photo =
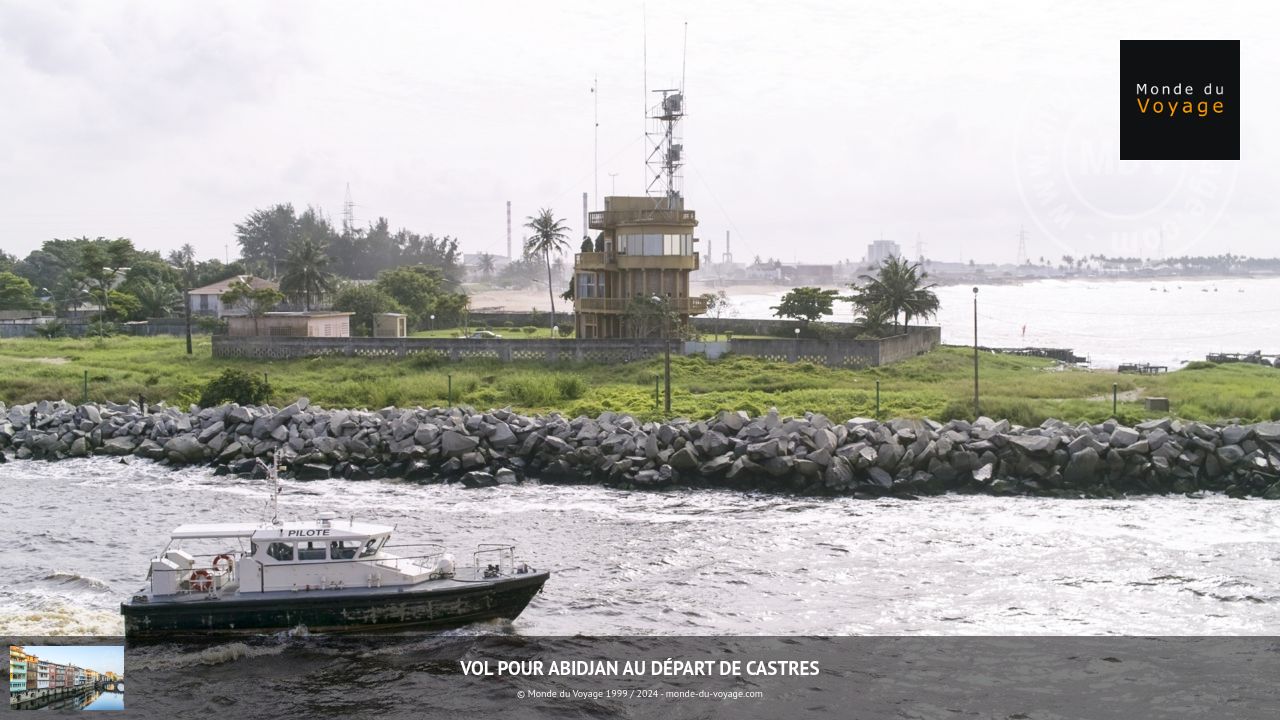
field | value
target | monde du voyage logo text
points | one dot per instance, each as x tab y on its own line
1179	99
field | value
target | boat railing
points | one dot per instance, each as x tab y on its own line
403	563
494	556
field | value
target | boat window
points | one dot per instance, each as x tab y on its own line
371	547
280	551
343	549
311	552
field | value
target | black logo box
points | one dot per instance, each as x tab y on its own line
1189	65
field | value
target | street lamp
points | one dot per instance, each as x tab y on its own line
666	353
976	413
433	323
796	350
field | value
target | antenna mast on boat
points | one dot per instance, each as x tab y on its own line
274	474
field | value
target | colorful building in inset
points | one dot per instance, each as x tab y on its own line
17	669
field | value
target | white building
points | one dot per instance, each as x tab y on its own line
207	300
880	250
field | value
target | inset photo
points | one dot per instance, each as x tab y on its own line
66	677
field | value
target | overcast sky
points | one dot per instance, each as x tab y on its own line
813	127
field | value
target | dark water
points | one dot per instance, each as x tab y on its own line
80	533
655	566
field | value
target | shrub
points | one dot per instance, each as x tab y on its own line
236	386
570	387
1200	365
101	328
211	325
529	330
50	330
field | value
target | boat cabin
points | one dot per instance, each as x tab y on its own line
325	553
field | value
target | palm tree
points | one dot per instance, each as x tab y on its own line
549	235
159	300
486	264
896	290
306	272
182	257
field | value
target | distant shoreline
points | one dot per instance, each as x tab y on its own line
497	300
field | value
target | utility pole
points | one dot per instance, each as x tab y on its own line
187	299
509	257
664	304
976	412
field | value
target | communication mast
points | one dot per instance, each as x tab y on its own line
348	213
666	148
1022	246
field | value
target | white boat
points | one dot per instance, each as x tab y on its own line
327	574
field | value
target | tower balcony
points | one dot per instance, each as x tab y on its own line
615	261
680	306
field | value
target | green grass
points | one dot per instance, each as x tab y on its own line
937	385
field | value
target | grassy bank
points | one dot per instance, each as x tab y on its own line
937	385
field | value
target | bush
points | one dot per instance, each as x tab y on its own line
101	328
528	330
211	325
1200	365
236	386
570	387
50	330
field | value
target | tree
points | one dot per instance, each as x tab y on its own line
255	302
156	300
123	306
264	236
420	291
805	304
717	306
183	256
16	293
549	236
7	261
649	315
365	301
897	289
306	273
100	265
486	264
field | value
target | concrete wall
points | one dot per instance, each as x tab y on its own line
836	353
280	348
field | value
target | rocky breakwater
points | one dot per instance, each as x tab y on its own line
809	454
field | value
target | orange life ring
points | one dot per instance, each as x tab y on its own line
220	558
201	581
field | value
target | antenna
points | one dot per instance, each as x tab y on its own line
1022	245
919	249
348	213
509	257
684	55
595	96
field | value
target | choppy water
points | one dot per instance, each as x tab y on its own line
1163	322
80	532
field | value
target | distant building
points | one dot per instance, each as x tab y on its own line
472	263
770	270
292	324
809	274
390	325
207	300
880	250
17	669
646	252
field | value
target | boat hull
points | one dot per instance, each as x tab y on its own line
433	606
